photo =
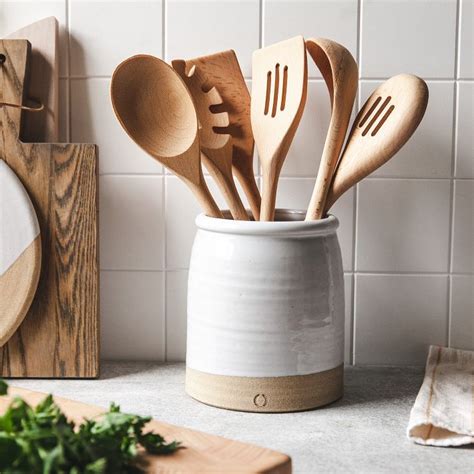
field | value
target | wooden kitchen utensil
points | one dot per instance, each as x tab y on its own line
222	71
20	252
387	120
216	148
156	110
202	452
279	77
59	336
44	80
340	73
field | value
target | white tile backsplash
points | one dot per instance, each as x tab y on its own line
416	36
466	40
463	230
196	28
413	218
403	225
131	223
397	317
336	20
104	33
132	315
465	128
462	312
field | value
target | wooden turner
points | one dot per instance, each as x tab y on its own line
216	148
387	120
222	71
279	84
340	73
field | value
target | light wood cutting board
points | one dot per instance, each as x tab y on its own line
204	453
59	336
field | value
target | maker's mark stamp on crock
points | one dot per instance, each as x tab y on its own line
260	400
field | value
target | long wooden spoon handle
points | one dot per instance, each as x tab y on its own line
227	187
249	185
205	199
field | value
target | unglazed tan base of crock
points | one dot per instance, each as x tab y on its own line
266	394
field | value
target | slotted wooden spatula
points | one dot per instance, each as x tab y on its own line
385	123
279	78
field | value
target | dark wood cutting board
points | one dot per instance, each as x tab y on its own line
203	453
59	336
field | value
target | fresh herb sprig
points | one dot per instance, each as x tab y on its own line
42	440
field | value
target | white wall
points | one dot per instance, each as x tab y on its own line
406	233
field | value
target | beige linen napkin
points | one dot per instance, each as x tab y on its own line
443	414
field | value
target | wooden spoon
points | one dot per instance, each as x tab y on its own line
387	120
216	148
340	73
156	110
279	84
222	71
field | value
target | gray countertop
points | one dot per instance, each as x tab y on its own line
363	432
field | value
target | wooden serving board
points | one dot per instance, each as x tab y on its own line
59	335
203	453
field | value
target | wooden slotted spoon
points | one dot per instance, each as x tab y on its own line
222	71
279	84
384	124
340	73
216	148
156	110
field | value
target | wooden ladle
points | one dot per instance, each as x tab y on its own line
340	73
384	124
216	147
156	110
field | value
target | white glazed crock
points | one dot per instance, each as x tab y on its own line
265	313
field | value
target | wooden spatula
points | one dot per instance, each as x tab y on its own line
222	71
279	78
154	107
340	73
387	120
216	148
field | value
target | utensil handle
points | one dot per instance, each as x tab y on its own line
249	185
270	180
205	199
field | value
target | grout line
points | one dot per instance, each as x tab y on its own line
261	23
453	170
428	79
163	208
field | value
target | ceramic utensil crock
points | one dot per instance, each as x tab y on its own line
266	313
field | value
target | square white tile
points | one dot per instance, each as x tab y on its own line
295	193
197	28
463	234
64	110
397	317
416	37
462	312
176	314
181	211
104	33
305	153
348	327
131	223
93	120
335	20
132	316
465	128
16	14
466	40
403	225
428	153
